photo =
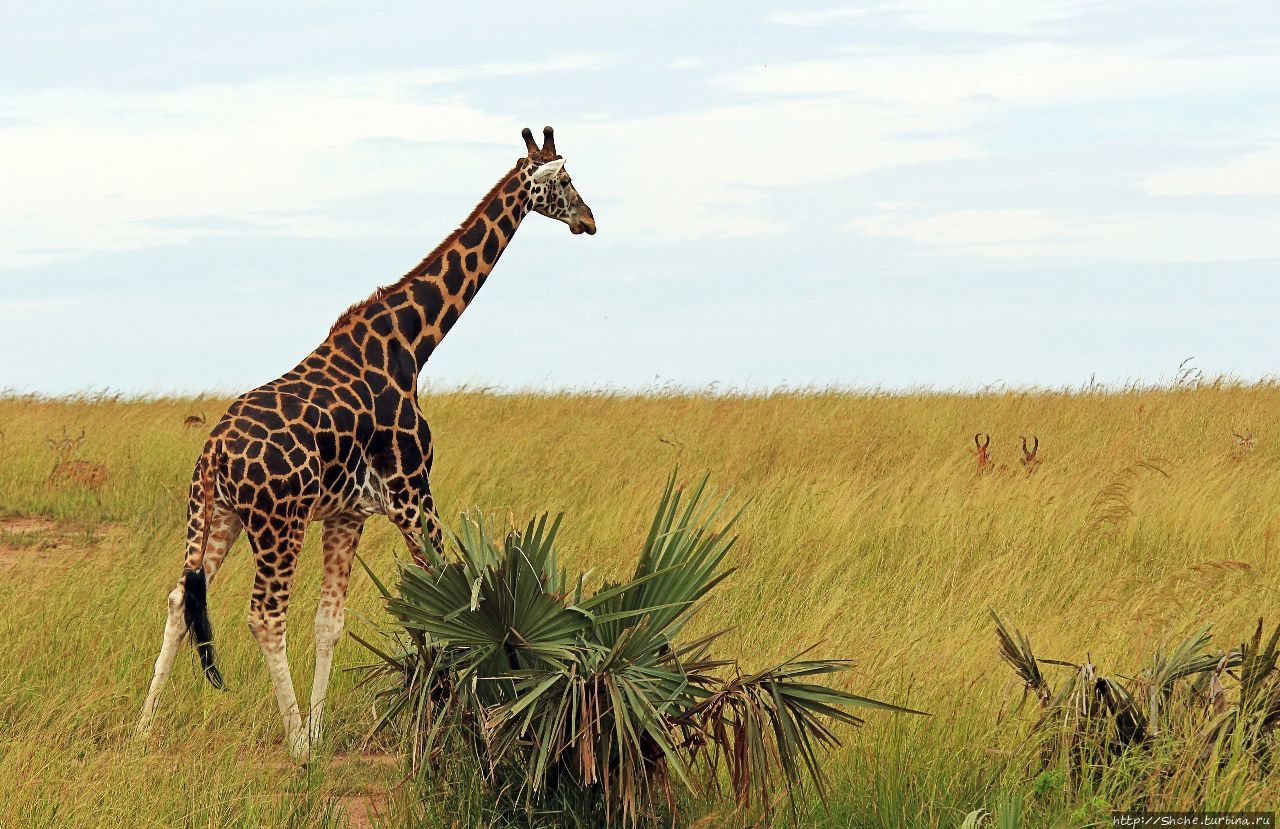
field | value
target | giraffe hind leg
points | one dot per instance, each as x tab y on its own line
226	526
175	629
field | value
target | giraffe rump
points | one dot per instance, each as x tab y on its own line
195	610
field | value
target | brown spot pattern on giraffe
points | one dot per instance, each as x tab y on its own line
341	436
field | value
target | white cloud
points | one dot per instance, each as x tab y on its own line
1049	234
39	307
106	171
949	96
823	17
98	171
999	233
1255	173
1038	74
685	176
113	171
987	16
1026	17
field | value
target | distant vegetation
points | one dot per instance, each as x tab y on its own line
1150	515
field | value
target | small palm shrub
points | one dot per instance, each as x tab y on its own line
1189	711
589	700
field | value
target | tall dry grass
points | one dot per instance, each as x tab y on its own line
867	528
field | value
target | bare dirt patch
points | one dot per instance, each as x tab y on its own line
20	524
42	542
360	810
365	803
361	798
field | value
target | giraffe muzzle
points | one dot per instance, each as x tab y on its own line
585	223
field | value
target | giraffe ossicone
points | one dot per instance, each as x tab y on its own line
339	438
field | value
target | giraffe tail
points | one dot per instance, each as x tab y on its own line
195	608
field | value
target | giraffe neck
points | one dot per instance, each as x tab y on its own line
400	325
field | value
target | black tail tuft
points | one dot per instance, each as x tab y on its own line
196	612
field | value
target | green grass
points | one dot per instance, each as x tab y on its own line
867	529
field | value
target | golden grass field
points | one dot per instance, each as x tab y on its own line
867	530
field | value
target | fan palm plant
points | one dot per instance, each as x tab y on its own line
1179	698
592	700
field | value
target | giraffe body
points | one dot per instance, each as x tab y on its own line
339	438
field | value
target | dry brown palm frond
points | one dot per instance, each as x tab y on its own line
1158	681
1255	714
1258	663
1016	650
1180	697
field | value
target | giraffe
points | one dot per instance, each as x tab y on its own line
339	438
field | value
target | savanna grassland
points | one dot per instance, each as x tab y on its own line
866	530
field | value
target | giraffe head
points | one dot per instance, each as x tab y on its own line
551	191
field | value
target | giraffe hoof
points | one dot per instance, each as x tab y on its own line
300	750
143	729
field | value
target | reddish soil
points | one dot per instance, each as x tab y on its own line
361	809
31	540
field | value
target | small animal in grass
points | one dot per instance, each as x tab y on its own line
1030	456
1244	443
193	421
68	470
88	474
984	459
64	447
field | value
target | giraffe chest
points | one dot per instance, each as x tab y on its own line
352	487
378	478
372	493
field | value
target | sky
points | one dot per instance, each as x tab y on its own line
925	193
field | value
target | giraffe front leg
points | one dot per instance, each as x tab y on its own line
414	513
277	551
341	536
435	531
407	490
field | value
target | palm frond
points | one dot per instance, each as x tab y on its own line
592	698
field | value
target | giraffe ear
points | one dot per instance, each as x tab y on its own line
548	171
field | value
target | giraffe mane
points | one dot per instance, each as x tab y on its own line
435	253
